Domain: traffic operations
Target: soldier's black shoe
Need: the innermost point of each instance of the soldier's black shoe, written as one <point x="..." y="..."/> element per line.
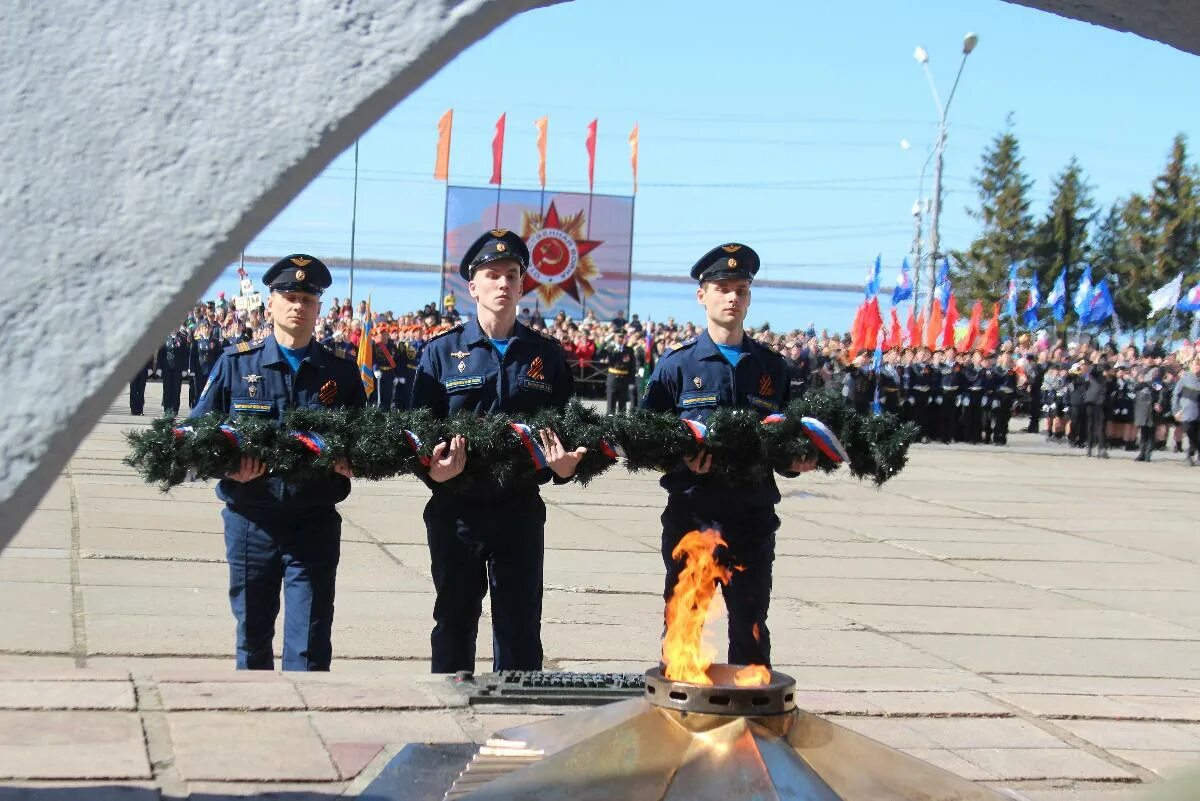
<point x="1141" y="457"/>
<point x="1179" y="447"/>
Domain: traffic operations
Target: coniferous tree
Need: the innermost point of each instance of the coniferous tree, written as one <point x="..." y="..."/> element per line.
<point x="1061" y="237"/>
<point x="1125" y="242"/>
<point x="1007" y="227"/>
<point x="1175" y="219"/>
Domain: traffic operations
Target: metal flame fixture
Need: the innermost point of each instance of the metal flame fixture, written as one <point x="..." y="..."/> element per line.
<point x="699" y="742"/>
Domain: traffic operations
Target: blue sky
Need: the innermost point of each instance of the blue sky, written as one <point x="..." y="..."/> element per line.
<point x="772" y="123"/>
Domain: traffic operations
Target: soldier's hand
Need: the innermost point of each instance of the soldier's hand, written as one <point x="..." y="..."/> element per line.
<point x="700" y="463"/>
<point x="564" y="463"/>
<point x="342" y="468"/>
<point x="449" y="459"/>
<point x="804" y="465"/>
<point x="249" y="469"/>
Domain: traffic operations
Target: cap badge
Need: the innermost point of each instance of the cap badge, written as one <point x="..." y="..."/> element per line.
<point x="301" y="275"/>
<point x="498" y="232"/>
<point x="697" y="382"/>
<point x="501" y="247"/>
<point x="731" y="248"/>
<point x="732" y="263"/>
<point x="300" y="261"/>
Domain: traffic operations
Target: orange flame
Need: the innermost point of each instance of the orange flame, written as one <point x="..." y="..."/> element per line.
<point x="752" y="676"/>
<point x="685" y="656"/>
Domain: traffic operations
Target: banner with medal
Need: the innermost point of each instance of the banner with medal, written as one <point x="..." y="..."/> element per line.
<point x="579" y="246"/>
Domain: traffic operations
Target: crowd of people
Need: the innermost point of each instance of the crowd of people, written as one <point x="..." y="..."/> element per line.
<point x="1078" y="394"/>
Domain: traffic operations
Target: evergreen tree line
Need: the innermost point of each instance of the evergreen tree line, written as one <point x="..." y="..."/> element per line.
<point x="1140" y="242"/>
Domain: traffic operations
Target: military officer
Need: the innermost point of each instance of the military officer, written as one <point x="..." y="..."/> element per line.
<point x="724" y="367"/>
<point x="950" y="384"/>
<point x="1002" y="390"/>
<point x="137" y="388"/>
<point x="280" y="530"/>
<point x="920" y="383"/>
<point x="495" y="537"/>
<point x="171" y="363"/>
<point x="206" y="349"/>
<point x="620" y="362"/>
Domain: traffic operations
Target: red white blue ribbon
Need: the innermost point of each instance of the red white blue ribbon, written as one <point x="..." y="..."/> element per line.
<point x="825" y="440"/>
<point x="612" y="451"/>
<point x="182" y="431"/>
<point x="531" y="445"/>
<point x="231" y="434"/>
<point x="414" y="442"/>
<point x="310" y="440"/>
<point x="698" y="430"/>
<point x="772" y="419"/>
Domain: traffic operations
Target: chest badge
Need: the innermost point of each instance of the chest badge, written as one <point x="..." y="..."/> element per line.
<point x="459" y="354"/>
<point x="328" y="393"/>
<point x="536" y="369"/>
<point x="252" y="383"/>
<point x="697" y="382"/>
<point x="462" y="367"/>
<point x="766" y="386"/>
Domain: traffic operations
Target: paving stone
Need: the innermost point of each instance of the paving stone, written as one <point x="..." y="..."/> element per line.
<point x="935" y="704"/>
<point x="25" y="694"/>
<point x="72" y="745"/>
<point x="955" y="763"/>
<point x="235" y="695"/>
<point x="77" y="791"/>
<point x="1136" y="735"/>
<point x="351" y="758"/>
<point x="1054" y="705"/>
<point x="248" y="746"/>
<point x="1061" y="623"/>
<point x="275" y="791"/>
<point x="963" y="733"/>
<point x="328" y="694"/>
<point x="1013" y="764"/>
<point x="389" y="727"/>
<point x="1164" y="763"/>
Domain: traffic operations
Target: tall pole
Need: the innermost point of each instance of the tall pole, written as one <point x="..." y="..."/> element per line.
<point x="935" y="213"/>
<point x="353" y="223"/>
<point x="916" y="248"/>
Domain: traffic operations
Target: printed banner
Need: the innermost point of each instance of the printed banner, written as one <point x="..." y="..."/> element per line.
<point x="580" y="256"/>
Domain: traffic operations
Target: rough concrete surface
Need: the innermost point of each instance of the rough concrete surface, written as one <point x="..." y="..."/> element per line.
<point x="1023" y="617"/>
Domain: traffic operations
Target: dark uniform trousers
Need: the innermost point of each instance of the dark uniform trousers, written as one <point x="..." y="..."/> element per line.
<point x="491" y="538"/>
<point x="280" y="532"/>
<point x="137" y="388"/>
<point x="692" y="381"/>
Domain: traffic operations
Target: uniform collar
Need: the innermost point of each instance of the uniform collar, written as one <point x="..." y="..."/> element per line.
<point x="707" y="349"/>
<point x="474" y="334"/>
<point x="272" y="354"/>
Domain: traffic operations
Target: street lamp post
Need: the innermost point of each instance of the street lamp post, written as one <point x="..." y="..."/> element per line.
<point x="920" y="206"/>
<point x="922" y="57"/>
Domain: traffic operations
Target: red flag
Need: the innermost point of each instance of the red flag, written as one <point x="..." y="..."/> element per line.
<point x="992" y="338"/>
<point x="856" y="330"/>
<point x="873" y="323"/>
<point x="934" y="329"/>
<point x="441" y="167"/>
<point x="591" y="151"/>
<point x="973" y="326"/>
<point x="541" y="126"/>
<point x="916" y="326"/>
<point x="498" y="151"/>
<point x="633" y="154"/>
<point x="951" y="319"/>
<point x="895" y="337"/>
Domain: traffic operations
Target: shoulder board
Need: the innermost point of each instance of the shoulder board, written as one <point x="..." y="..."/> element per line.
<point x="452" y="330"/>
<point x="687" y="343"/>
<point x="766" y="350"/>
<point x="243" y="347"/>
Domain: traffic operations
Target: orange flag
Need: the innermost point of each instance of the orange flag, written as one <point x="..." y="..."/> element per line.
<point x="441" y="167"/>
<point x="915" y="329"/>
<point x="541" y="126"/>
<point x="633" y="154"/>
<point x="992" y="338"/>
<point x="934" y="329"/>
<point x="951" y="320"/>
<point x="498" y="152"/>
<point x="973" y="326"/>
<point x="856" y="330"/>
<point x="895" y="337"/>
<point x="591" y="151"/>
<point x="872" y="323"/>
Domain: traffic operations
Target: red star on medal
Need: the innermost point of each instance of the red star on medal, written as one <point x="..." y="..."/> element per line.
<point x="559" y="255"/>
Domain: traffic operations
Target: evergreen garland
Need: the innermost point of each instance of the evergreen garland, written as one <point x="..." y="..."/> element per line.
<point x="381" y="445"/>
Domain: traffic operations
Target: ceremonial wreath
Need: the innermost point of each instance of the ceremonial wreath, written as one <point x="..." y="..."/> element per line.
<point x="501" y="450"/>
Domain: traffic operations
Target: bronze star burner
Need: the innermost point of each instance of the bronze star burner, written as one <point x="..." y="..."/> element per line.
<point x="698" y="742"/>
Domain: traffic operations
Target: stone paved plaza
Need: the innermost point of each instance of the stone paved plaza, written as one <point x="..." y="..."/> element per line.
<point x="1023" y="617"/>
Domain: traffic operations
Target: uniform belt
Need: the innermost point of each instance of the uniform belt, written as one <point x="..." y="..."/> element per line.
<point x="615" y="371"/>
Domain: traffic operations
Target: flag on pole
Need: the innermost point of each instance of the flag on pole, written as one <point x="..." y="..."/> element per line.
<point x="872" y="287"/>
<point x="934" y="329"/>
<point x="973" y="325"/>
<point x="498" y="152"/>
<point x="1010" y="298"/>
<point x="942" y="290"/>
<point x="876" y="364"/>
<point x="441" y="166"/>
<point x="1190" y="302"/>
<point x="366" y="353"/>
<point x="991" y="340"/>
<point x="950" y="322"/>
<point x="541" y="126"/>
<point x="904" y="287"/>
<point x="1058" y="296"/>
<point x="916" y="328"/>
<point x="1081" y="300"/>
<point x="1030" y="317"/>
<point x="1165" y="296"/>
<point x="1100" y="305"/>
<point x="591" y="151"/>
<point x="895" y="336"/>
<point x="633" y="154"/>
<point x="908" y="338"/>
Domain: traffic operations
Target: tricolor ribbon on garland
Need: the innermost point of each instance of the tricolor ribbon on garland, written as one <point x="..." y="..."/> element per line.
<point x="531" y="445"/>
<point x="231" y="434"/>
<point x="311" y="440"/>
<point x="817" y="432"/>
<point x="414" y="442"/>
<point x="182" y="432"/>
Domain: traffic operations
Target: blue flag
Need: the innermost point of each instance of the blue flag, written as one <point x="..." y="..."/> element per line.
<point x="1100" y="305"/>
<point x="904" y="287"/>
<point x="876" y="364"/>
<point x="1058" y="296"/>
<point x="1082" y="299"/>
<point x="941" y="290"/>
<point x="1030" y="316"/>
<point x="1190" y="302"/>
<point x="1010" y="299"/>
<point x="872" y="288"/>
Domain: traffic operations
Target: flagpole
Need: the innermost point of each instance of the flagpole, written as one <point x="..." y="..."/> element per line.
<point x="441" y="299"/>
<point x="353" y="222"/>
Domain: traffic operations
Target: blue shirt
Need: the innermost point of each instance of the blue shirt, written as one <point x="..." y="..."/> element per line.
<point x="501" y="345"/>
<point x="293" y="356"/>
<point x="732" y="353"/>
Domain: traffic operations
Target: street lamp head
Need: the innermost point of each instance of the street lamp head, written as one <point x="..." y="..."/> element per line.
<point x="969" y="42"/>
<point x="920" y="55"/>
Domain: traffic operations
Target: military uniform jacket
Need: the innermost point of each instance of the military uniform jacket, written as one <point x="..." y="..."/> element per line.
<point x="620" y="359"/>
<point x="1002" y="388"/>
<point x="694" y="379"/>
<point x="205" y="352"/>
<point x="257" y="380"/>
<point x="173" y="355"/>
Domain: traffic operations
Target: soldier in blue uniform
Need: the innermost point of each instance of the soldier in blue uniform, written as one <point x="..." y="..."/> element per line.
<point x="171" y="363"/>
<point x="206" y="349"/>
<point x="724" y="367"/>
<point x="281" y="531"/>
<point x="494" y="537"/>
